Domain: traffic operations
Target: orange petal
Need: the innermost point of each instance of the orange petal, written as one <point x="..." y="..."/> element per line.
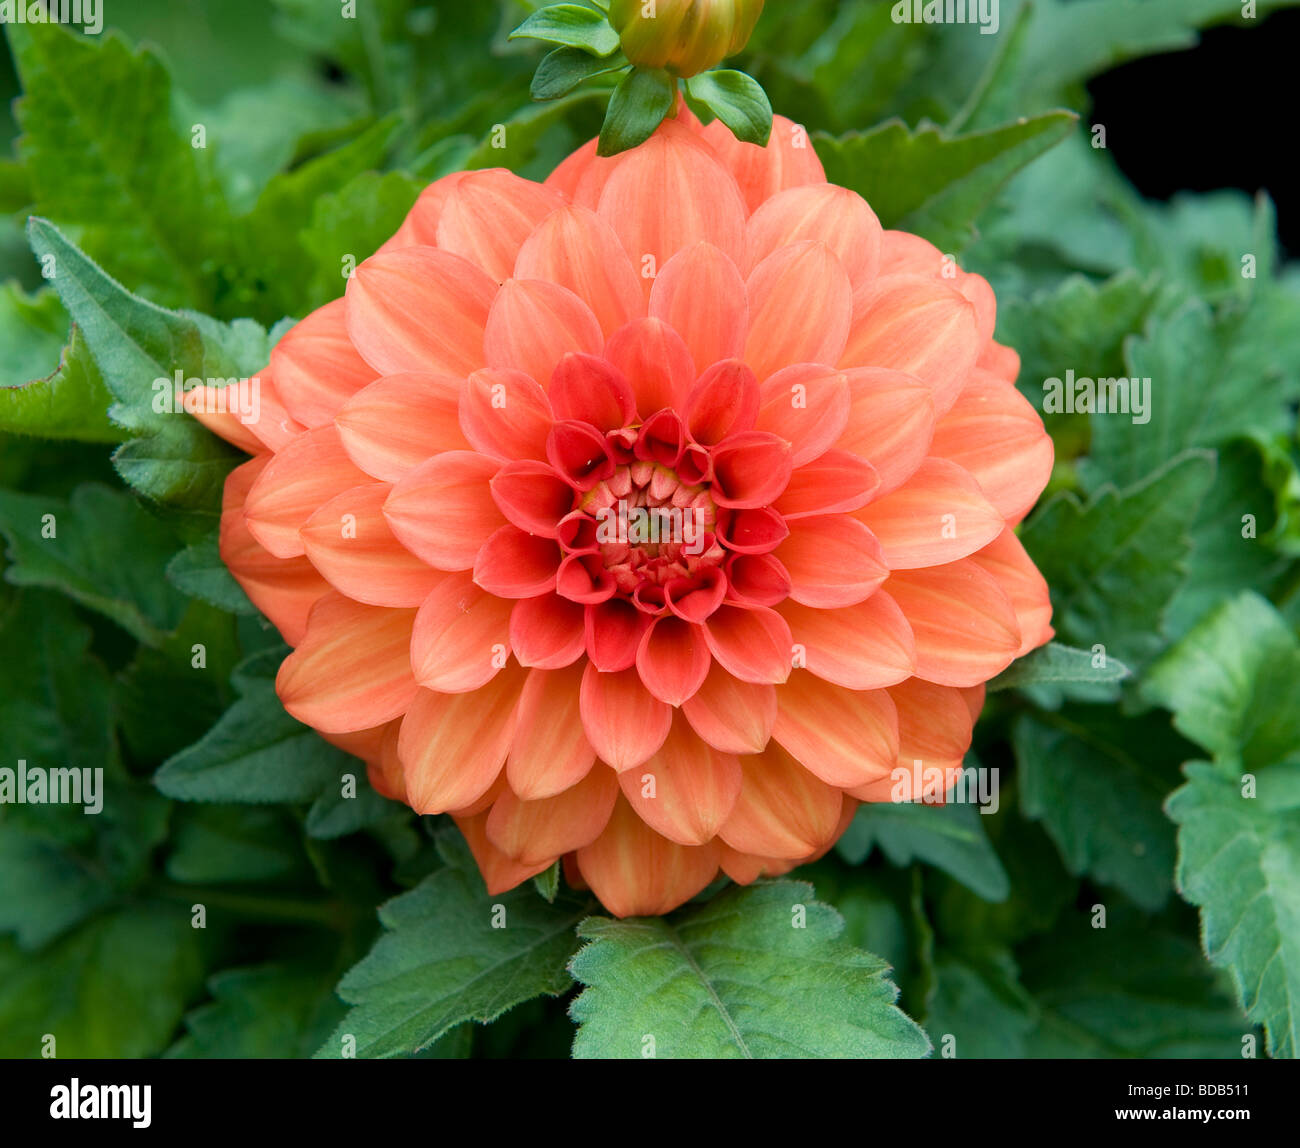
<point x="500" y="872"/>
<point x="700" y="293"/>
<point x="284" y="589"/>
<point x="670" y="193"/>
<point x="394" y="424"/>
<point x="550" y="752"/>
<point x="800" y="308"/>
<point x="420" y="228"/>
<point x="922" y="326"/>
<point x="890" y="423"/>
<point x="836" y="482"/>
<point x="307" y="473"/>
<point x="317" y="369"/>
<point x="352" y="670"/>
<point x="938" y="515"/>
<point x="1006" y="560"/>
<point x="964" y="622"/>
<point x="846" y="737"/>
<point x="673" y="659"/>
<point x="453" y="746"/>
<point x="488" y="216"/>
<point x="533" y="832"/>
<point x="861" y="647"/>
<point x="752" y="644"/>
<point x="731" y="715"/>
<point x="624" y="722"/>
<point x="534" y="324"/>
<point x="548" y="632"/>
<point x="505" y="414"/>
<point x="419" y="309"/>
<point x="460" y="639"/>
<point x="221" y="410"/>
<point x="577" y="249"/>
<point x="994" y="433"/>
<point x="349" y="541"/>
<point x="274" y="425"/>
<point x="443" y="510"/>
<point x="637" y="873"/>
<point x="686" y="790"/>
<point x="783" y="810"/>
<point x="787" y="161"/>
<point x="655" y="360"/>
<point x="807" y="405"/>
<point x="833" y="561"/>
<point x="835" y="216"/>
<point x="902" y="253"/>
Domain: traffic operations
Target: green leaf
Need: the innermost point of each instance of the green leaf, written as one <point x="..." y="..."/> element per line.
<point x="228" y="844"/>
<point x="256" y="752"/>
<point x="638" y="107"/>
<point x="1233" y="684"/>
<point x="1097" y="783"/>
<point x="101" y="548"/>
<point x="932" y="184"/>
<point x="564" y="69"/>
<point x="48" y="888"/>
<point x="107" y="158"/>
<point x="139" y="348"/>
<point x="70" y="403"/>
<point x="1131" y="989"/>
<point x="1057" y="664"/>
<point x="978" y="1009"/>
<point x="572" y="25"/>
<point x="950" y="837"/>
<point x="738" y="977"/>
<point x="1239" y="860"/>
<point x="199" y="572"/>
<point x="33" y="330"/>
<point x="442" y="962"/>
<point x="275" y="1011"/>
<point x="1209" y="382"/>
<point x="737" y="100"/>
<point x="114" y="988"/>
<point x="348" y="805"/>
<point x="1114" y="565"/>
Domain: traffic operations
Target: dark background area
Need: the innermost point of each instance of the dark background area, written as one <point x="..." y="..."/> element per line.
<point x="1223" y="114"/>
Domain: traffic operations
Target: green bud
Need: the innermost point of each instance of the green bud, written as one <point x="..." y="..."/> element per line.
<point x="685" y="37"/>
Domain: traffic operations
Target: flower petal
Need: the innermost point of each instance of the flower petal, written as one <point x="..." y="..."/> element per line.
<point x="731" y="715"/>
<point x="352" y="670"/>
<point x="624" y="722"/>
<point x="591" y="389"/>
<point x="317" y="369"/>
<point x="515" y="564"/>
<point x="534" y="324"/>
<point x="1006" y="560"/>
<point x="845" y="737"/>
<point x="700" y="293"/>
<point x="788" y="160"/>
<point x="673" y="659"/>
<point x="505" y="414"/>
<point x="488" y="216"/>
<point x="724" y="401"/>
<point x="686" y="790"/>
<point x="783" y="810"/>
<point x="807" y="405"/>
<point x="655" y="360"/>
<point x="460" y="639"/>
<point x="833" y="561"/>
<point x="391" y="426"/>
<point x="800" y="309"/>
<point x="752" y="643"/>
<point x="550" y="752"/>
<point x="835" y="216"/>
<point x="533" y="832"/>
<point x="890" y="424"/>
<point x="861" y="647"/>
<point x="836" y="482"/>
<point x="443" y="511"/>
<point x="547" y="632"/>
<point x="419" y="309"/>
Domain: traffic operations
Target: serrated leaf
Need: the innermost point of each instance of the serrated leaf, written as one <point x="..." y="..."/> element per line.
<point x="33" y="330"/>
<point x="348" y="805"/>
<point x="442" y="963"/>
<point x="1099" y="796"/>
<point x="571" y="25"/>
<point x="1233" y="684"/>
<point x="1209" y="381"/>
<point x="72" y="403"/>
<point x="737" y="100"/>
<point x="1114" y="565"/>
<point x="1058" y="664"/>
<point x="256" y="752"/>
<point x="1239" y="860"/>
<point x="135" y="344"/>
<point x="637" y="108"/>
<point x="931" y="184"/>
<point x="950" y="837"/>
<point x="978" y="1009"/>
<point x="107" y="158"/>
<point x="735" y="978"/>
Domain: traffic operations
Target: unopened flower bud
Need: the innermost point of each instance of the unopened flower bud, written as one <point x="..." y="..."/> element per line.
<point x="684" y="36"/>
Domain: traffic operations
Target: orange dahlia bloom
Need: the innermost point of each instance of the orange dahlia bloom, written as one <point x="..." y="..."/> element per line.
<point x="651" y="517"/>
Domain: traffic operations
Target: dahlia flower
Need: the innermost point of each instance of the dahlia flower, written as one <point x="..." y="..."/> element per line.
<point x="651" y="517"/>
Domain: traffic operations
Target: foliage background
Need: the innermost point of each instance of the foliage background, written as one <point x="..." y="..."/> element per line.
<point x="319" y="134"/>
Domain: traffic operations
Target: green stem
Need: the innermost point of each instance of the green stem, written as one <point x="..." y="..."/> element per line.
<point x="299" y="910"/>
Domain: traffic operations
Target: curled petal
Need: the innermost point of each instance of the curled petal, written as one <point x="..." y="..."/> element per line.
<point x="614" y="629"/>
<point x="833" y="561"/>
<point x="547" y="632"/>
<point x="532" y="496"/>
<point x="590" y="389"/>
<point x="672" y="659"/>
<point x="750" y="469"/>
<point x="515" y="564"/>
<point x="723" y="402"/>
<point x="505" y="414"/>
<point x="753" y="644"/>
<point x="655" y="360"/>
